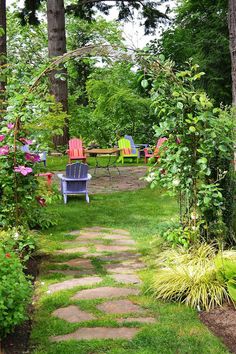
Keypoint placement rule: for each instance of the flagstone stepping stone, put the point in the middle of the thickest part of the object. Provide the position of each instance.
(87, 237)
(81, 242)
(120, 231)
(103, 292)
(116, 237)
(119, 307)
(124, 267)
(95, 228)
(120, 270)
(122, 256)
(74, 232)
(73, 250)
(89, 234)
(73, 314)
(124, 242)
(74, 272)
(71, 283)
(111, 248)
(79, 262)
(98, 333)
(126, 278)
(137, 319)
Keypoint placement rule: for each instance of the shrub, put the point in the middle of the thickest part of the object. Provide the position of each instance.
(194, 277)
(20, 240)
(15, 292)
(195, 161)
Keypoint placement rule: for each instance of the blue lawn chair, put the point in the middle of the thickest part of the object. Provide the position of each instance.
(134, 146)
(75, 181)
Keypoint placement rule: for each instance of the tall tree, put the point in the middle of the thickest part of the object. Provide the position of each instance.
(232, 39)
(200, 32)
(57, 47)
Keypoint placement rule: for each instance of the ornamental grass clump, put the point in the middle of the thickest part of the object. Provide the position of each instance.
(192, 277)
(15, 291)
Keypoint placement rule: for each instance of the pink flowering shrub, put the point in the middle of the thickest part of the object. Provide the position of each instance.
(18, 186)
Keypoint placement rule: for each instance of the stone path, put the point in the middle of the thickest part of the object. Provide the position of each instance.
(129, 179)
(104, 285)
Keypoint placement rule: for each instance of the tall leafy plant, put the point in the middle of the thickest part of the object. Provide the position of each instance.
(197, 156)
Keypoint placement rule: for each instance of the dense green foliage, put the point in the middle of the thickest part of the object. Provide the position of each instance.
(116, 107)
(14, 291)
(198, 153)
(200, 32)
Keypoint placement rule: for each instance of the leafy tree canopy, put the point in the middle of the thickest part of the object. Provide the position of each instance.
(200, 32)
(85, 9)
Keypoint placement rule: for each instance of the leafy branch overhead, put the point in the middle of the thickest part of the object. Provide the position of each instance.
(86, 9)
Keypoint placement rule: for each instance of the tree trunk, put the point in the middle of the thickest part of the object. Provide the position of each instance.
(3, 54)
(57, 47)
(232, 44)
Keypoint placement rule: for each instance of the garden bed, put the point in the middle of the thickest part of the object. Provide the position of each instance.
(222, 322)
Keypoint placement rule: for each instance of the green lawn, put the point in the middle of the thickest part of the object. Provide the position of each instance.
(143, 213)
(58, 163)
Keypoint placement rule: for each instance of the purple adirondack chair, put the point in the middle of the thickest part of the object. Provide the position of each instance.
(75, 181)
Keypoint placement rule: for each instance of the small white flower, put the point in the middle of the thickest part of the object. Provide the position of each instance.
(194, 216)
(176, 182)
(48, 292)
(16, 235)
(150, 177)
(42, 283)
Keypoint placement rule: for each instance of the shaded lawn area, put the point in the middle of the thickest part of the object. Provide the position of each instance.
(143, 213)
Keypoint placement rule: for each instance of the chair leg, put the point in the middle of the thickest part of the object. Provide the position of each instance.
(65, 198)
(87, 198)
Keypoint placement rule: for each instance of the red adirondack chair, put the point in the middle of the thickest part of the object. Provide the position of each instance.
(76, 150)
(148, 153)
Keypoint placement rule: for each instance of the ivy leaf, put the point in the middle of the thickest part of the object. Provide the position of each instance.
(144, 83)
(192, 129)
(180, 105)
(222, 148)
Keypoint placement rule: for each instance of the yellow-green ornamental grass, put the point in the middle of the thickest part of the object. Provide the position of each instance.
(191, 276)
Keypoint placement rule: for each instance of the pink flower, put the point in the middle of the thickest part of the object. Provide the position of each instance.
(26, 141)
(178, 141)
(4, 150)
(2, 137)
(23, 170)
(32, 157)
(10, 125)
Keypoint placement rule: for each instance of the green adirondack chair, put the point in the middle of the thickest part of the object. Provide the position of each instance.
(126, 150)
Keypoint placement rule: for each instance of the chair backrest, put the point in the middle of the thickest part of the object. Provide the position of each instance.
(159, 144)
(77, 170)
(76, 147)
(130, 138)
(125, 146)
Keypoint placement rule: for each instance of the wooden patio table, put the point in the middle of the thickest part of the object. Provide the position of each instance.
(105, 152)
